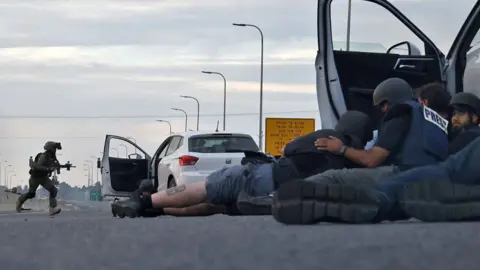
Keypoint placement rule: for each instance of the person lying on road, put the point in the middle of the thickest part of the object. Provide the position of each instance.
(410, 135)
(447, 191)
(220, 191)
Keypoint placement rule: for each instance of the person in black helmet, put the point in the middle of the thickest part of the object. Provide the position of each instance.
(448, 191)
(40, 170)
(465, 120)
(220, 191)
(433, 95)
(410, 135)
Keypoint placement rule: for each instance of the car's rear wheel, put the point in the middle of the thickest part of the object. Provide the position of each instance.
(171, 182)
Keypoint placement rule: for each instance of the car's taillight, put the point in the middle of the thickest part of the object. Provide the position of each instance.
(187, 160)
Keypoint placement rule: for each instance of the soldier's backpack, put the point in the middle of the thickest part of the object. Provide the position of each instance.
(37, 157)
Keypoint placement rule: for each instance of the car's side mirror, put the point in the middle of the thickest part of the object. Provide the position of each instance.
(99, 163)
(134, 156)
(404, 48)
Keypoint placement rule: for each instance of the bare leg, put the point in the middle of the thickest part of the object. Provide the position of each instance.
(203, 209)
(181, 196)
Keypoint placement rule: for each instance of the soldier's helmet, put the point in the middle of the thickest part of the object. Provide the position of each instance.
(51, 145)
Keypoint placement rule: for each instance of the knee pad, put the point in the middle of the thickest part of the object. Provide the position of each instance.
(30, 195)
(53, 192)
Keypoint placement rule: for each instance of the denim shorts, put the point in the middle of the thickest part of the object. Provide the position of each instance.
(224, 185)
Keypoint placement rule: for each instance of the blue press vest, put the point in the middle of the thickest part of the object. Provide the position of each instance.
(427, 140)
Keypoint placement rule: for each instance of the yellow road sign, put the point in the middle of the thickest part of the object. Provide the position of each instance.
(280, 131)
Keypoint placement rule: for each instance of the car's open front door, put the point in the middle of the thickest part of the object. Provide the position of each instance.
(124, 166)
(346, 78)
(463, 59)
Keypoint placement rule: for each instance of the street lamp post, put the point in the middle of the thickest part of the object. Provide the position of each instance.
(10, 180)
(91, 168)
(224, 93)
(126, 149)
(198, 109)
(88, 179)
(169, 124)
(1, 170)
(186, 116)
(349, 23)
(260, 125)
(98, 169)
(5, 179)
(88, 174)
(118, 153)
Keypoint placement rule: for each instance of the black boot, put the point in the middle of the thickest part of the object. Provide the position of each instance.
(307, 202)
(440, 200)
(140, 206)
(130, 208)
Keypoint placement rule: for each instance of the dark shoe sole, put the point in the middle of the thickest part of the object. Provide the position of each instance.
(254, 208)
(121, 212)
(306, 202)
(441, 200)
(55, 213)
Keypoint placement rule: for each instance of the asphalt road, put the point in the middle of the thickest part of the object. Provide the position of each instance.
(88, 237)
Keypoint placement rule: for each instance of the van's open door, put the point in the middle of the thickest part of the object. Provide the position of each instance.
(463, 65)
(346, 79)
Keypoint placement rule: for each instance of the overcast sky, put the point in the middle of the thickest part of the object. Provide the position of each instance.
(134, 58)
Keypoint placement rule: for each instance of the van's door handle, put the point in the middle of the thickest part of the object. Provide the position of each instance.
(407, 66)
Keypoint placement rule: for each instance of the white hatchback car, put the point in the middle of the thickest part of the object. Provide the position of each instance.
(181, 159)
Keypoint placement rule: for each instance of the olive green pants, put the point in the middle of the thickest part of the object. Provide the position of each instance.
(34, 183)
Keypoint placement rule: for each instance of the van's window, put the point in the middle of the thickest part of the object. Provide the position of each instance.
(373, 29)
(449, 21)
(221, 143)
(471, 77)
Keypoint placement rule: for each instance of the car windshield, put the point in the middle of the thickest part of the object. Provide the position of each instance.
(221, 143)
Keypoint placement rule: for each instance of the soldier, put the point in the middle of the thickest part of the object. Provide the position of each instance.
(40, 171)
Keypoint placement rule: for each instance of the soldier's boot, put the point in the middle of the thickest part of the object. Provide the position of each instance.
(20, 201)
(19, 205)
(54, 211)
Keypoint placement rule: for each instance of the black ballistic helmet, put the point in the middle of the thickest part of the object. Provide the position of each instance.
(465, 99)
(357, 125)
(393, 91)
(51, 145)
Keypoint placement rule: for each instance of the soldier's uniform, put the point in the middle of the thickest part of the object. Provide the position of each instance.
(40, 171)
